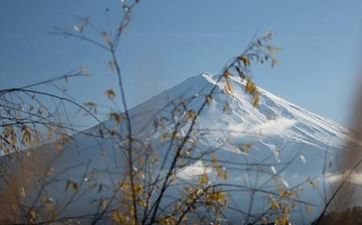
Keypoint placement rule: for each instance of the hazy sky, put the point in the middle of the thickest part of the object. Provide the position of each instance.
(168, 41)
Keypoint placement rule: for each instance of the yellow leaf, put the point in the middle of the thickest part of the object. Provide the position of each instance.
(229, 87)
(250, 87)
(245, 60)
(216, 197)
(286, 194)
(190, 114)
(204, 179)
(274, 204)
(168, 220)
(143, 203)
(175, 136)
(220, 171)
(120, 218)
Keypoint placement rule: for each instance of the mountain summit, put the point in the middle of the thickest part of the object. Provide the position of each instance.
(273, 114)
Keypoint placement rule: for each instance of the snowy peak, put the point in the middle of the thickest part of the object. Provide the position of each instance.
(232, 115)
(274, 116)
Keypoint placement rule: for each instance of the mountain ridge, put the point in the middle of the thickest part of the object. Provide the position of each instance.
(200, 84)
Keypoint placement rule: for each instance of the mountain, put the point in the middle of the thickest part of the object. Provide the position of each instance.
(276, 146)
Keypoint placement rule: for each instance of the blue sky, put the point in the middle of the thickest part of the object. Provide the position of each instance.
(168, 41)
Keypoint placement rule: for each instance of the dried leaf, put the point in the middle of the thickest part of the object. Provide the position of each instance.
(92, 107)
(229, 87)
(245, 60)
(274, 204)
(32, 216)
(26, 135)
(256, 101)
(204, 179)
(246, 148)
(226, 108)
(250, 87)
(190, 114)
(208, 100)
(167, 220)
(110, 94)
(175, 135)
(220, 171)
(227, 74)
(216, 197)
(72, 185)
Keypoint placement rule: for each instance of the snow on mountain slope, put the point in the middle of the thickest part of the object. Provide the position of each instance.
(308, 126)
(278, 139)
(275, 125)
(262, 148)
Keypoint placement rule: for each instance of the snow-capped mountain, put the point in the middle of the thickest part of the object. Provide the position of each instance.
(277, 145)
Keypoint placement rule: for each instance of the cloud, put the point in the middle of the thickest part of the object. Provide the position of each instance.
(273, 127)
(196, 169)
